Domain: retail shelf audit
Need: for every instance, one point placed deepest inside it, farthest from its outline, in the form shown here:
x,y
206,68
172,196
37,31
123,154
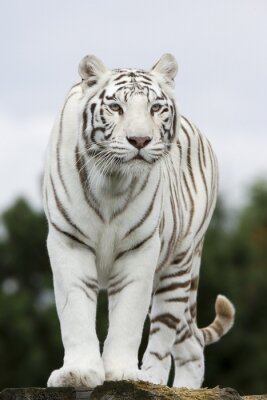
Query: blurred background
x,y
221,86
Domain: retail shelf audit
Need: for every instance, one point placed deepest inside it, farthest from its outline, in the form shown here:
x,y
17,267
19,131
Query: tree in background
x,y
234,264
30,344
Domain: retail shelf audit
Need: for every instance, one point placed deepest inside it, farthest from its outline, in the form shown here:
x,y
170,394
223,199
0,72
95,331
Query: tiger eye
x,y
156,107
116,107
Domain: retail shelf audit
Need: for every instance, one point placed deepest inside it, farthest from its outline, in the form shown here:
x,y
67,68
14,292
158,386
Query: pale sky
x,y
220,46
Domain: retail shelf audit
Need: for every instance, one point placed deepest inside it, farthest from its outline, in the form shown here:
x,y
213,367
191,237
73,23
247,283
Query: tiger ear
x,y
167,67
91,69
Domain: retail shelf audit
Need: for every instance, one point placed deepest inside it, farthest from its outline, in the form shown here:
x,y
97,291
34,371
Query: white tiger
x,y
129,190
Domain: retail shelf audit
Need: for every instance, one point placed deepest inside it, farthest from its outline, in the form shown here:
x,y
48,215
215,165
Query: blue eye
x,y
116,107
156,107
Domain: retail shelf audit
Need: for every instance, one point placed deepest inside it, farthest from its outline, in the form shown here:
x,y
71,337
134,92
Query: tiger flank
x,y
129,190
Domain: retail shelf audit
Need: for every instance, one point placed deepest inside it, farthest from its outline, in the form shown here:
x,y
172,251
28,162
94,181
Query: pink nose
x,y
139,141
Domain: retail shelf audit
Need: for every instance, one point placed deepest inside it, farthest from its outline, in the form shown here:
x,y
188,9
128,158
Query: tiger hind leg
x,y
188,356
188,348
168,308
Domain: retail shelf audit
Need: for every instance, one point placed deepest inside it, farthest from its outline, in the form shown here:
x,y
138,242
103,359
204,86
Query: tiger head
x,y
128,116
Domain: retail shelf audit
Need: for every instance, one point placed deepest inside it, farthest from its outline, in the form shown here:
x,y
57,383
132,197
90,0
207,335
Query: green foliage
x,y
30,344
234,264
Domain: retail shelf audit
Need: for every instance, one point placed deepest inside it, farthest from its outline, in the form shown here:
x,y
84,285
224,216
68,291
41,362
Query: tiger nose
x,y
139,141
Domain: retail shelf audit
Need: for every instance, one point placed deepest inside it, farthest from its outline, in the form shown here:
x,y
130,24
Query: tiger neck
x,y
115,191
115,185
113,194
108,185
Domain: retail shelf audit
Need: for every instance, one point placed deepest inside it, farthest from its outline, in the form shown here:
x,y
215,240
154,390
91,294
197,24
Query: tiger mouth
x,y
138,157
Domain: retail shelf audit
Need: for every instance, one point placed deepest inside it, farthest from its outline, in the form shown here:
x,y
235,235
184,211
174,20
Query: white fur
x,y
138,273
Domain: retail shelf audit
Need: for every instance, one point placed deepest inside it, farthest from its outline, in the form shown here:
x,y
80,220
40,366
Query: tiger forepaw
x,y
77,375
152,378
119,374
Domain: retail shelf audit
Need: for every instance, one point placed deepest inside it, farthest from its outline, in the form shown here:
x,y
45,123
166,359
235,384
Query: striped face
x,y
129,117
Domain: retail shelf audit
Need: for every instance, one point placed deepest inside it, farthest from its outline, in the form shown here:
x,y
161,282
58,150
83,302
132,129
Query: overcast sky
x,y
220,46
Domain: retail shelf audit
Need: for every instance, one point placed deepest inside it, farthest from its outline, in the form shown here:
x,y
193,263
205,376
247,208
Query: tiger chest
x,y
119,235
106,248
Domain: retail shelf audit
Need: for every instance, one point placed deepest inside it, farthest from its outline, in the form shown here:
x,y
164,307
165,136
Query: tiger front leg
x,y
129,291
76,287
169,306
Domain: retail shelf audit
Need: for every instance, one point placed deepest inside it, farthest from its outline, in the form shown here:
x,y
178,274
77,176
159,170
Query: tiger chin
x,y
129,190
